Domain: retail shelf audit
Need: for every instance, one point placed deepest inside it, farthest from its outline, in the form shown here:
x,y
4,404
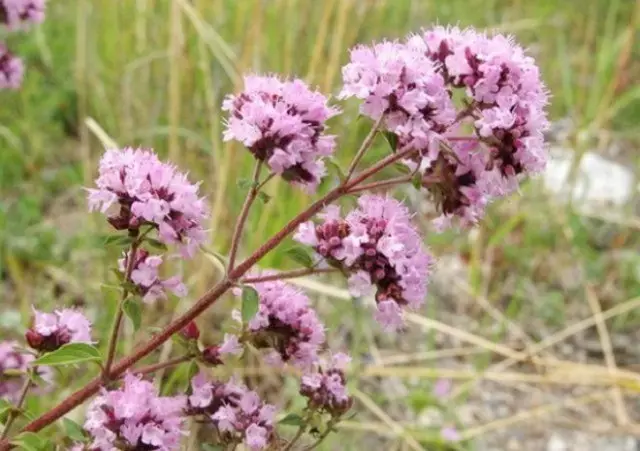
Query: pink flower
x,y
16,14
442,388
325,388
285,315
12,359
136,417
379,247
145,276
231,345
399,81
238,413
150,192
11,69
282,123
52,330
450,434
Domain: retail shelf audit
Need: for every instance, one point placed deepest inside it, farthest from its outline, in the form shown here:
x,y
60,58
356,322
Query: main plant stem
x,y
15,412
115,331
208,298
288,275
244,213
364,147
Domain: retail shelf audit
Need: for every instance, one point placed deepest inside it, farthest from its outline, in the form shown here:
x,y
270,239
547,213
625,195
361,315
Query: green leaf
x,y
118,274
5,408
132,309
300,255
69,354
117,240
263,197
210,447
402,168
250,303
29,441
73,430
292,419
156,244
392,139
245,183
416,180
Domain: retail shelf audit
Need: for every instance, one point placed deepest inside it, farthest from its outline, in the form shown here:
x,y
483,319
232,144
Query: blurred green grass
x,y
153,73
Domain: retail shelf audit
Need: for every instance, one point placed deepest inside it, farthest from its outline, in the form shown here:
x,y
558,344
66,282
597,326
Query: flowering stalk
x,y
15,411
115,331
210,297
366,144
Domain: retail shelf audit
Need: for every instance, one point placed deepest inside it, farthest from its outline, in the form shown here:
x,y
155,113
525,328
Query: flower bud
x,y
190,331
211,355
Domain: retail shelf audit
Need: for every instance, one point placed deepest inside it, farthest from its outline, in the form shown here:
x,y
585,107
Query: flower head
x,y
237,412
16,14
135,417
11,69
379,247
325,388
287,323
150,192
13,360
52,330
399,81
146,278
282,123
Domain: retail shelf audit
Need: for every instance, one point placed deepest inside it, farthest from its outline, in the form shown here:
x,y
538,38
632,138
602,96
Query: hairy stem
x,y
162,365
364,147
242,219
324,435
210,297
115,331
288,275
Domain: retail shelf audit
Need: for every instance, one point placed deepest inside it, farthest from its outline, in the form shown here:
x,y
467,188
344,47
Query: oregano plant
x,y
463,113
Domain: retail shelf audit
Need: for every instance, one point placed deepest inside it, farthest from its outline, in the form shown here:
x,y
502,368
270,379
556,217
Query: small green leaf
x,y
402,168
292,419
29,441
263,197
156,244
250,303
300,255
416,180
118,274
132,309
69,354
5,408
245,183
117,240
73,430
210,447
392,139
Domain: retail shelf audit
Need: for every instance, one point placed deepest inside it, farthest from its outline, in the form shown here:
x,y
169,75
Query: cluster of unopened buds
x,y
463,150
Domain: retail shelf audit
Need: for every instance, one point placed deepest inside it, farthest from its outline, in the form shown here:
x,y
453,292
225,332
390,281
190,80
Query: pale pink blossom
x,y
11,69
17,14
49,331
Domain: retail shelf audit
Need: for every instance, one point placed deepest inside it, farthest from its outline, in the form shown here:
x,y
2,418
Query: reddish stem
x,y
381,184
161,365
206,300
288,275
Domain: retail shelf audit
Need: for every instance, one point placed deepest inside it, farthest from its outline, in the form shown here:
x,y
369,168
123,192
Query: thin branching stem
x,y
366,144
162,365
15,411
244,213
288,275
381,184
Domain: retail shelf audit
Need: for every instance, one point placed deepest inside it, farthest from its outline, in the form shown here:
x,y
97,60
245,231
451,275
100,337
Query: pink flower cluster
x,y
145,277
379,247
16,14
282,123
287,323
135,417
400,82
11,69
52,330
150,192
13,360
411,83
238,413
326,388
